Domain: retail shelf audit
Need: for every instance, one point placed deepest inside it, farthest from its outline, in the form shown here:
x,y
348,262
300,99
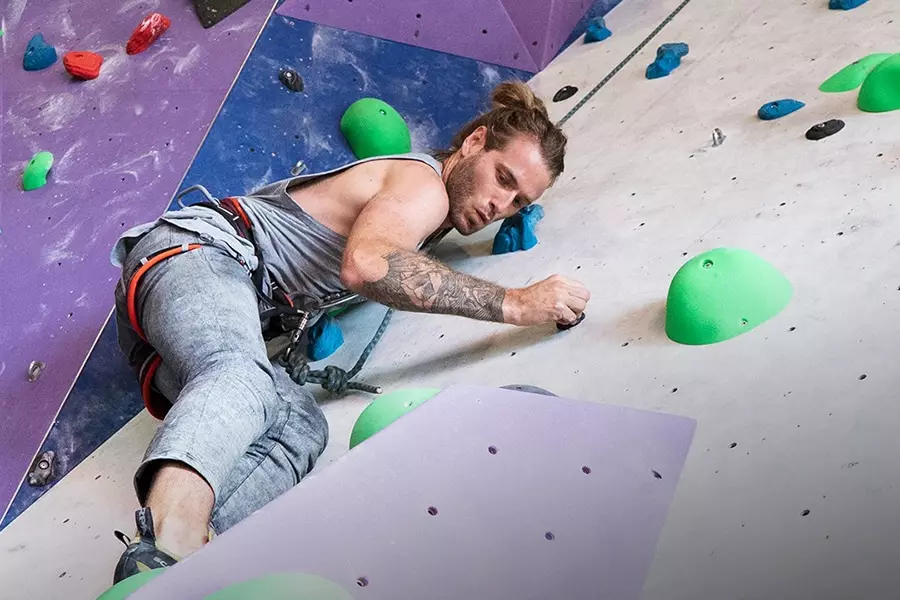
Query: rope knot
x,y
336,380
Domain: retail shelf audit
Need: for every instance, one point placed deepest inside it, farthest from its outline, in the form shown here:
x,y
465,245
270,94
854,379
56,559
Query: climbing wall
x,y
524,34
122,142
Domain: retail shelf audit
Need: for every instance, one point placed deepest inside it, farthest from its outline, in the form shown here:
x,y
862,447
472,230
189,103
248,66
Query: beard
x,y
460,190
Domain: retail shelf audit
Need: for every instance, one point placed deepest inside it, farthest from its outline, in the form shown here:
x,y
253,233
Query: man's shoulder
x,y
413,175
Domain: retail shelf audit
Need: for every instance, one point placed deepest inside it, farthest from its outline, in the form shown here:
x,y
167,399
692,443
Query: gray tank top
x,y
301,254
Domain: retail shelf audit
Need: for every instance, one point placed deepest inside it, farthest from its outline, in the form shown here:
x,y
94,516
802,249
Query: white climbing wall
x,y
643,187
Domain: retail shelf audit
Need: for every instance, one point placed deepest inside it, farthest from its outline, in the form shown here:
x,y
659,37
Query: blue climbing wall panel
x,y
260,133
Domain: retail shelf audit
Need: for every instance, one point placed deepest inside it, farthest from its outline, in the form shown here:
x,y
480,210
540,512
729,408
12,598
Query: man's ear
x,y
475,142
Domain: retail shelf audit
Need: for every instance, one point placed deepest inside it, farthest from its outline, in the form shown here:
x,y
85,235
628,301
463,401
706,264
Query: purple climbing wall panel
x,y
479,493
524,34
121,142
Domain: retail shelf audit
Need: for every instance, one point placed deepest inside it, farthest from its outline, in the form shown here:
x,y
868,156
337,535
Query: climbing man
x,y
237,431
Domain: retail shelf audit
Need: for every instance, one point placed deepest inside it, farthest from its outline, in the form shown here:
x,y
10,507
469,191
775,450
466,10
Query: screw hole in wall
x,y
656,474
492,449
863,376
733,445
362,582
586,470
433,511
549,536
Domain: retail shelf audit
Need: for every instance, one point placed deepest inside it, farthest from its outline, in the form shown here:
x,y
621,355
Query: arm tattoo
x,y
417,283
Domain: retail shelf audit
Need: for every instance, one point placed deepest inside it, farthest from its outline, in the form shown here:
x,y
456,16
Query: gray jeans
x,y
237,419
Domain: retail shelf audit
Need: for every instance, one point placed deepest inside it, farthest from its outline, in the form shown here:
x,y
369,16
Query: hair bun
x,y
515,95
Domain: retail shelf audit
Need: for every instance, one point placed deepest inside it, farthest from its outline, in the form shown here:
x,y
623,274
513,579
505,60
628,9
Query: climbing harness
x,y
622,64
278,313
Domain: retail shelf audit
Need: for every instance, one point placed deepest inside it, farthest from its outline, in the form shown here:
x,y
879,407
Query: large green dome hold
x,y
283,586
721,294
853,75
373,128
880,91
386,409
128,586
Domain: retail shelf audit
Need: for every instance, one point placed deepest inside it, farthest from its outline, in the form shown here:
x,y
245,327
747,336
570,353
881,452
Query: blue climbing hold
x,y
668,58
517,232
845,4
325,337
597,31
778,108
38,54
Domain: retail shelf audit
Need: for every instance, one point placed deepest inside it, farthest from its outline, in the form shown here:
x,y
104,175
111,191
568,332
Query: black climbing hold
x,y
211,12
529,389
291,80
823,130
565,93
567,326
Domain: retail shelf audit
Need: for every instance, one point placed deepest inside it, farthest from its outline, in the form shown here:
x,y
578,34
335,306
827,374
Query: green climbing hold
x,y
283,586
373,128
386,409
721,294
853,75
880,91
35,174
126,587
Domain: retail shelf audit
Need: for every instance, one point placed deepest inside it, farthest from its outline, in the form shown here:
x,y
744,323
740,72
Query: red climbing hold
x,y
83,65
147,32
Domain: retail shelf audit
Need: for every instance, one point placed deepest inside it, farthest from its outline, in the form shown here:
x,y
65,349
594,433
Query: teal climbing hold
x,y
779,108
517,232
283,586
721,294
373,128
35,174
668,58
38,54
128,586
597,31
386,409
325,337
845,4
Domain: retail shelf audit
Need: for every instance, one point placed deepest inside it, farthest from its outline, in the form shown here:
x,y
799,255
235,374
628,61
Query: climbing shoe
x,y
141,553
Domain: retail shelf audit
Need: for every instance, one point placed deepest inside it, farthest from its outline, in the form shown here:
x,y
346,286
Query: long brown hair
x,y
515,110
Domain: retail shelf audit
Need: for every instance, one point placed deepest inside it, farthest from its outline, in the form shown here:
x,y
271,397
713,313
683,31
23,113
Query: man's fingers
x,y
567,316
576,304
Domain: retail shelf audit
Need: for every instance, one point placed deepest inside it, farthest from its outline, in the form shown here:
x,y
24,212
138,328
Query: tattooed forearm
x,y
415,282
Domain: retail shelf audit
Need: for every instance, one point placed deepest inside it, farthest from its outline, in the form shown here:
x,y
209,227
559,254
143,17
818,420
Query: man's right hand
x,y
556,299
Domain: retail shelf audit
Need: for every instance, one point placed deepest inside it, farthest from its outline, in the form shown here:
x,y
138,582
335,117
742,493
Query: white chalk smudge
x,y
186,62
60,250
138,110
59,110
65,22
81,301
490,76
14,11
264,180
146,6
424,135
329,46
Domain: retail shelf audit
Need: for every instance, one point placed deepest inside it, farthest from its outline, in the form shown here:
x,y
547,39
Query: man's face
x,y
486,186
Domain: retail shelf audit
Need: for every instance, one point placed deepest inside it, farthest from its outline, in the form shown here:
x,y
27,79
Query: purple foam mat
x,y
479,493
479,29
122,143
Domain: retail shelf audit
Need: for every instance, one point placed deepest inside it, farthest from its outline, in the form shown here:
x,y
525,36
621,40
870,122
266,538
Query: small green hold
x,y
126,587
721,294
35,174
880,92
852,76
283,586
373,128
386,409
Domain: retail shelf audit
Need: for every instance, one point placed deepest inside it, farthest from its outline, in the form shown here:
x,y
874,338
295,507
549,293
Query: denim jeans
x,y
236,418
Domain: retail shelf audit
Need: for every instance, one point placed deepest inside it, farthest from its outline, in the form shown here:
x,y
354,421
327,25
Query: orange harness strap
x,y
153,400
